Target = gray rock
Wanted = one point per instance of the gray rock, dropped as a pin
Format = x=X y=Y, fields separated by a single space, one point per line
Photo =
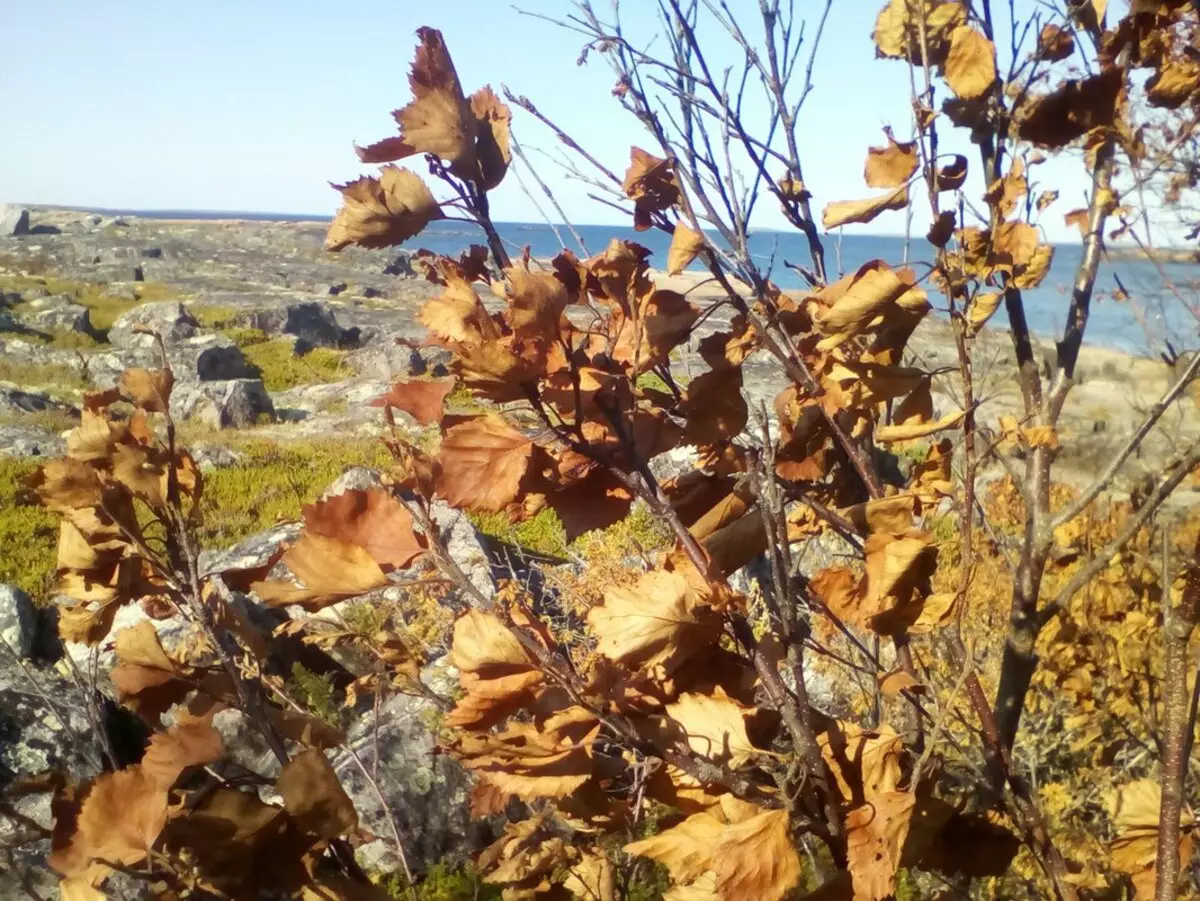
x=169 y=318
x=18 y=620
x=15 y=399
x=30 y=441
x=312 y=322
x=249 y=553
x=14 y=220
x=356 y=478
x=212 y=456
x=232 y=403
x=311 y=399
x=388 y=358
x=426 y=791
x=58 y=313
x=207 y=358
x=465 y=548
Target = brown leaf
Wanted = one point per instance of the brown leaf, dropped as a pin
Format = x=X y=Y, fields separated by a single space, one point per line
x=424 y=401
x=942 y=230
x=981 y=309
x=493 y=120
x=875 y=838
x=953 y=175
x=382 y=212
x=1072 y=110
x=146 y=678
x=1080 y=218
x=536 y=303
x=872 y=292
x=653 y=623
x=686 y=242
x=149 y=389
x=898 y=29
x=313 y=795
x=1176 y=81
x=971 y=63
x=714 y=727
x=495 y=672
x=192 y=741
x=373 y=520
x=1055 y=44
x=908 y=431
x=892 y=165
x=1008 y=192
x=482 y=463
x=330 y=570
x=1135 y=810
x=845 y=212
x=650 y=183
x=459 y=316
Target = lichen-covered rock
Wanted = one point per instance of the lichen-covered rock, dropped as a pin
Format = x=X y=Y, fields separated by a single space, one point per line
x=18 y=620
x=15 y=399
x=309 y=399
x=206 y=358
x=57 y=313
x=427 y=792
x=30 y=441
x=168 y=318
x=391 y=357
x=14 y=220
x=232 y=403
x=313 y=323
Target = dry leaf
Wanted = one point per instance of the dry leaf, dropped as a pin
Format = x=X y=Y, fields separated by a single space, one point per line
x=149 y=389
x=313 y=795
x=650 y=183
x=981 y=308
x=1056 y=119
x=844 y=212
x=685 y=244
x=382 y=212
x=892 y=165
x=482 y=463
x=908 y=431
x=875 y=835
x=372 y=519
x=330 y=570
x=1055 y=44
x=971 y=63
x=424 y=401
x=715 y=727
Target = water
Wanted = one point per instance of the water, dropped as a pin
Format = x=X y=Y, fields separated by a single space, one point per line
x=1138 y=325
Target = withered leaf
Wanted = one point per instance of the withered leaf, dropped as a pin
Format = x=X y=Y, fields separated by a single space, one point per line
x=953 y=175
x=382 y=212
x=149 y=389
x=942 y=229
x=651 y=184
x=424 y=401
x=313 y=795
x=331 y=570
x=845 y=212
x=981 y=308
x=192 y=741
x=1055 y=44
x=482 y=463
x=373 y=520
x=1072 y=110
x=714 y=727
x=970 y=64
x=686 y=242
x=892 y=165
x=875 y=835
x=493 y=119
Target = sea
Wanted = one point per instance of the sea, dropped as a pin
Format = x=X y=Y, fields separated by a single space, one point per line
x=1138 y=306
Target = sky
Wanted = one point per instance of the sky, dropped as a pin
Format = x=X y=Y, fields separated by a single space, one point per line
x=254 y=105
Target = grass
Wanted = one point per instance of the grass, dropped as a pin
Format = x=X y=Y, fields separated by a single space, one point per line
x=28 y=533
x=280 y=367
x=273 y=481
x=213 y=316
x=103 y=308
x=41 y=375
x=54 y=420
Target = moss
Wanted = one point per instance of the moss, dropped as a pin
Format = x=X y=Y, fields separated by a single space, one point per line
x=463 y=400
x=543 y=533
x=316 y=693
x=281 y=368
x=28 y=533
x=273 y=481
x=441 y=883
x=104 y=308
x=213 y=316
x=41 y=375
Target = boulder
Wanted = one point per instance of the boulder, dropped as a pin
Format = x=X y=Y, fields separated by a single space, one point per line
x=57 y=313
x=309 y=399
x=30 y=441
x=15 y=399
x=14 y=220
x=168 y=318
x=391 y=357
x=312 y=323
x=206 y=358
x=18 y=620
x=229 y=403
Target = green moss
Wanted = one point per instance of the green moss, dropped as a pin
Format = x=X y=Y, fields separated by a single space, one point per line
x=28 y=533
x=41 y=375
x=543 y=533
x=213 y=316
x=103 y=308
x=281 y=368
x=273 y=481
x=441 y=883
x=463 y=400
x=316 y=693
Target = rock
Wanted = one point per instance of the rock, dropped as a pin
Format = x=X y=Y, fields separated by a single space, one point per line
x=213 y=456
x=426 y=791
x=206 y=358
x=30 y=441
x=311 y=322
x=231 y=403
x=58 y=313
x=15 y=399
x=18 y=620
x=356 y=478
x=14 y=220
x=401 y=267
x=152 y=253
x=310 y=399
x=250 y=553
x=337 y=288
x=169 y=318
x=389 y=358
x=465 y=548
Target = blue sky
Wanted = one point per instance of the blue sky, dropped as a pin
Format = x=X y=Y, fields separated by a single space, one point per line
x=255 y=104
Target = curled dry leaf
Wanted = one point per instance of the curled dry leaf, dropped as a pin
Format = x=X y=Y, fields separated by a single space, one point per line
x=953 y=175
x=971 y=63
x=892 y=165
x=373 y=520
x=493 y=120
x=714 y=727
x=686 y=242
x=864 y=300
x=651 y=184
x=1055 y=44
x=875 y=836
x=910 y=430
x=942 y=230
x=331 y=570
x=313 y=795
x=1176 y=82
x=980 y=310
x=495 y=673
x=899 y=26
x=1136 y=809
x=382 y=212
x=1072 y=110
x=844 y=212
x=482 y=462
x=424 y=401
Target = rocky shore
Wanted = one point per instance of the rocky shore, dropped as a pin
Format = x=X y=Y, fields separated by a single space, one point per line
x=277 y=348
